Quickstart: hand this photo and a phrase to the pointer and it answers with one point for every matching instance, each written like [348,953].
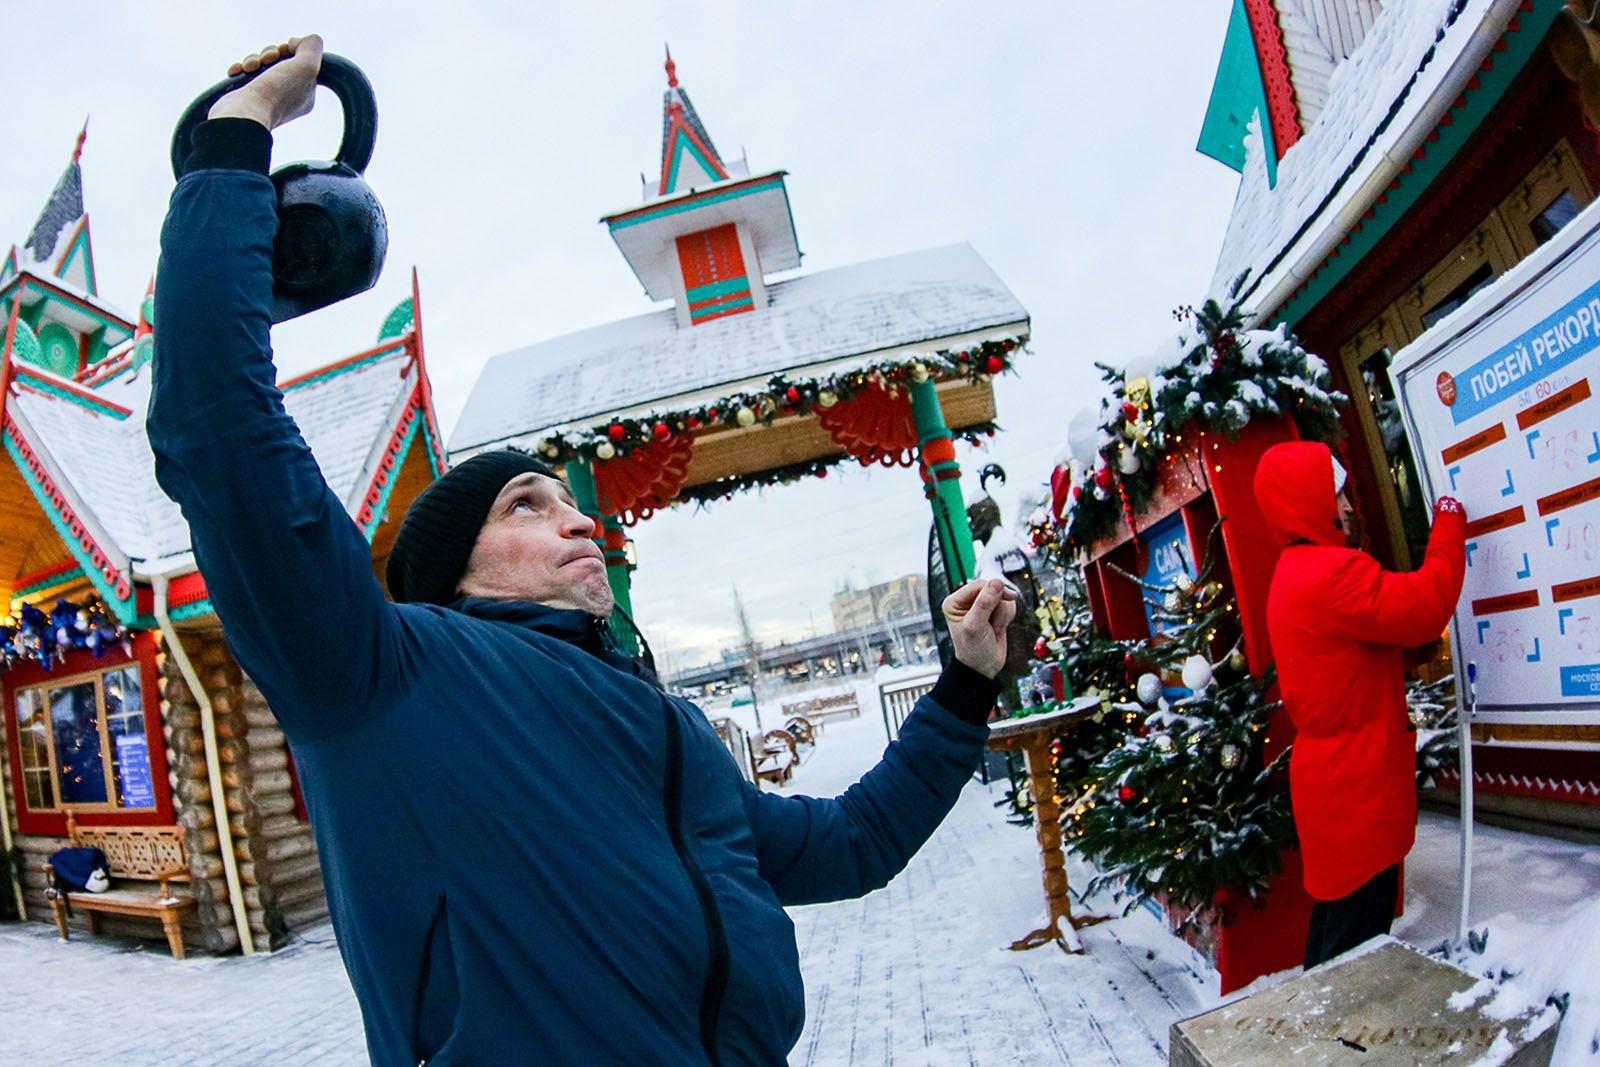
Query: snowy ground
[915,974]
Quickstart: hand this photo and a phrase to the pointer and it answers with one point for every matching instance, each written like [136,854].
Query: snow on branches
[1214,375]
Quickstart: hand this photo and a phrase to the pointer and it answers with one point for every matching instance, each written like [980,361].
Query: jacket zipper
[716,937]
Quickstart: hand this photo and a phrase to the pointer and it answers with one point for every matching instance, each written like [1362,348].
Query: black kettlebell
[332,233]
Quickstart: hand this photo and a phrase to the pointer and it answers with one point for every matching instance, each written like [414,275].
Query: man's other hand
[281,94]
[978,614]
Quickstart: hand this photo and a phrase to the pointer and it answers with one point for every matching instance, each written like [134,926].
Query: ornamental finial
[672,70]
[77,149]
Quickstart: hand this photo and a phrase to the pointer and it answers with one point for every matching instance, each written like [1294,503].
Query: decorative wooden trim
[1567,790]
[47,384]
[1284,112]
[113,585]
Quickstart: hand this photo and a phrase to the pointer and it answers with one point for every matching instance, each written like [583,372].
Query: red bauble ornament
[1130,411]
[661,431]
[822,472]
[1077,491]
[1008,344]
[1102,477]
[1041,649]
[616,432]
[712,414]
[792,394]
[962,357]
[1125,793]
[994,365]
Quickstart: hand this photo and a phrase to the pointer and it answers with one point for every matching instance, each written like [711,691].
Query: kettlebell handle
[346,80]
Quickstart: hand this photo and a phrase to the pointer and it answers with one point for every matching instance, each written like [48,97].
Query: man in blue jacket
[532,854]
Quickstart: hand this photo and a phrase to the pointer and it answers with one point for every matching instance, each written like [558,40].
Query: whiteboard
[1501,401]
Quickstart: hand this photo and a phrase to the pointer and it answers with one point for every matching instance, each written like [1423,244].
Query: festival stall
[125,716]
[748,381]
[1395,160]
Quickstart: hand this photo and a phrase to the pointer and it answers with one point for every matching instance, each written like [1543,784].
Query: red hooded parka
[1340,624]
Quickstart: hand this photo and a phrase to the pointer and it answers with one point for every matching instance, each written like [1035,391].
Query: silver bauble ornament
[1232,755]
[1163,742]
[1197,672]
[1147,688]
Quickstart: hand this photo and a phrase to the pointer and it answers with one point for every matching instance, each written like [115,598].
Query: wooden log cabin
[122,704]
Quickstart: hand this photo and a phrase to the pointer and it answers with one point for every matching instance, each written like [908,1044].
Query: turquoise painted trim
[740,284]
[347,368]
[121,332]
[713,310]
[124,610]
[61,579]
[190,611]
[1464,123]
[99,407]
[387,491]
[681,144]
[1237,92]
[80,244]
[695,203]
[8,269]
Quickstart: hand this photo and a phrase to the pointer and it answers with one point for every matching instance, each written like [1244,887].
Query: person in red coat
[1340,627]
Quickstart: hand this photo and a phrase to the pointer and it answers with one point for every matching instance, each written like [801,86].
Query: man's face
[535,545]
[1349,521]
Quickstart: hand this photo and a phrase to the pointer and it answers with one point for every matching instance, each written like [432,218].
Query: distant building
[899,598]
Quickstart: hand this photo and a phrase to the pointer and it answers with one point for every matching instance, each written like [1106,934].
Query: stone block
[1386,1005]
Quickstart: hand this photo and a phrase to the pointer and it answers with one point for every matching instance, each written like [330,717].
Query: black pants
[1337,926]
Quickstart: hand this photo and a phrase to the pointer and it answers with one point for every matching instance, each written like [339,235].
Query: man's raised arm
[288,572]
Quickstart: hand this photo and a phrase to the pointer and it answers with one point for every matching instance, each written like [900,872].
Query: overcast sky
[1058,138]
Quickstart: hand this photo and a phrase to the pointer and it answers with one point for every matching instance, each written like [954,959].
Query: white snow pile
[1539,967]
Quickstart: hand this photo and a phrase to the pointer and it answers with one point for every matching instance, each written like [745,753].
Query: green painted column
[944,487]
[612,540]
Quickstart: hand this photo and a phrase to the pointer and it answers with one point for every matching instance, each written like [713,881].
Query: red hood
[1294,489]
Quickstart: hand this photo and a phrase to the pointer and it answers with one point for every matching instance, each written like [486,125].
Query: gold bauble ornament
[1138,389]
[827,398]
[919,373]
[604,450]
[745,417]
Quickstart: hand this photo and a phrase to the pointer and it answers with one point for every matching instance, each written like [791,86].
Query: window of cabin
[82,743]
[1547,223]
[1459,295]
[1398,464]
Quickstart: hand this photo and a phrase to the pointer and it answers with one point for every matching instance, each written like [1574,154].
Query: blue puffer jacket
[532,855]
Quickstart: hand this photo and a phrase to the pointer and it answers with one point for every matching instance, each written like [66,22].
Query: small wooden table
[1032,736]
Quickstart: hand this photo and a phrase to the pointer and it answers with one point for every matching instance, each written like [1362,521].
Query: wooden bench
[148,853]
[803,731]
[817,709]
[775,757]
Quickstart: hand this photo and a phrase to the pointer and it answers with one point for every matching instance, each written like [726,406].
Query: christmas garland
[34,637]
[1216,378]
[782,396]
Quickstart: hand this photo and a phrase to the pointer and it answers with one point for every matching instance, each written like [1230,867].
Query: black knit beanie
[436,537]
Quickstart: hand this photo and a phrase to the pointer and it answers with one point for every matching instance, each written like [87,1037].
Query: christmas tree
[1184,806]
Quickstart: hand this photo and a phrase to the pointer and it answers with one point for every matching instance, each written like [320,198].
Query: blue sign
[1562,337]
[1167,543]
[1582,680]
[133,771]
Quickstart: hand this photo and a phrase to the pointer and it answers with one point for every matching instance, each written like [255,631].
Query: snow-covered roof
[1381,101]
[106,462]
[917,299]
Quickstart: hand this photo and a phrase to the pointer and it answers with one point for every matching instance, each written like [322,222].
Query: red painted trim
[95,373]
[1284,112]
[31,280]
[87,550]
[186,589]
[54,824]
[678,125]
[394,344]
[1567,790]
[83,224]
[70,386]
[22,581]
